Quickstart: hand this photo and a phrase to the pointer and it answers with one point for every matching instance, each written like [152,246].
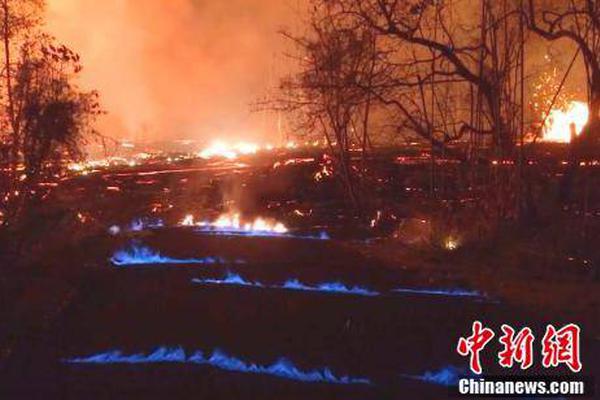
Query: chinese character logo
[474,344]
[516,348]
[559,346]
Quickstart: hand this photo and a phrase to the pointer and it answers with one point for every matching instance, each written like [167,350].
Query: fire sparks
[560,121]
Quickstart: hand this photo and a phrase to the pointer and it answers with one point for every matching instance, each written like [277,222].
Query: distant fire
[229,151]
[451,243]
[559,121]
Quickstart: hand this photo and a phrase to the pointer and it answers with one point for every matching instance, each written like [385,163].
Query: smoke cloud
[175,69]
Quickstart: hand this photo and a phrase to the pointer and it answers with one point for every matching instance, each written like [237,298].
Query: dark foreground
[392,339]
[391,345]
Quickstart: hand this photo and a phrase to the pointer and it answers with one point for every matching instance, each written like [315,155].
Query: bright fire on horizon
[233,151]
[559,121]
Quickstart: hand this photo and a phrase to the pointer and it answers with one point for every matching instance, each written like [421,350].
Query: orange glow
[558,123]
[233,221]
[230,152]
[168,69]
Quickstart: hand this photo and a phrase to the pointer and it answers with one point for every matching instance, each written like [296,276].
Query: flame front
[558,124]
[233,222]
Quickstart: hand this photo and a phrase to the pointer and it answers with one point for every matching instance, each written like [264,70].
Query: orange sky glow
[177,69]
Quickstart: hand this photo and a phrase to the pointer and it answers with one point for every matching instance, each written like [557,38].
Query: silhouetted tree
[480,48]
[338,66]
[45,116]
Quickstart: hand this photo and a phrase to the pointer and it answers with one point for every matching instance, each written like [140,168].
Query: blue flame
[333,287]
[230,279]
[137,254]
[291,284]
[234,279]
[282,368]
[231,231]
[140,224]
[441,292]
[447,376]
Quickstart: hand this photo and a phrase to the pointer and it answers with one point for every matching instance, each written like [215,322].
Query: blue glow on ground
[447,376]
[230,231]
[233,279]
[230,279]
[282,368]
[441,292]
[291,284]
[137,254]
[333,287]
[140,224]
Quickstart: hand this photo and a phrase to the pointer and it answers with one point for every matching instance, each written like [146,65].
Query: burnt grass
[54,266]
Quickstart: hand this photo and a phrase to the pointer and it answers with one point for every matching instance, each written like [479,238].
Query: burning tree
[579,22]
[45,116]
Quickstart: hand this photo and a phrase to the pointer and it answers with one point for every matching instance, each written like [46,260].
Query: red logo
[472,345]
[516,348]
[559,346]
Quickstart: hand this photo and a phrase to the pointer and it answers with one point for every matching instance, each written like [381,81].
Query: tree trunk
[594,119]
[502,139]
[8,72]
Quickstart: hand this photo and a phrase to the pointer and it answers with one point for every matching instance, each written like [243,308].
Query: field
[359,307]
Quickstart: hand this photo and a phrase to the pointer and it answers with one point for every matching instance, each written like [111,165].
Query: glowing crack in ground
[282,368]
